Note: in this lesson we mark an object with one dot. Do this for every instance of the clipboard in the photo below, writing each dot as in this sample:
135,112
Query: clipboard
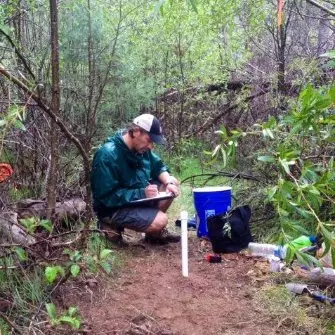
161,196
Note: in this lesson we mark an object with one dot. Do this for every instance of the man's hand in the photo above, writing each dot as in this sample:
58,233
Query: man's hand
173,189
151,191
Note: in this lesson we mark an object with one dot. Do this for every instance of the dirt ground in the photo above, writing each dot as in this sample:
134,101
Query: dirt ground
149,295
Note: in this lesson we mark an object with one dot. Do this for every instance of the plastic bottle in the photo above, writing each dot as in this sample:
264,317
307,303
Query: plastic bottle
263,249
267,250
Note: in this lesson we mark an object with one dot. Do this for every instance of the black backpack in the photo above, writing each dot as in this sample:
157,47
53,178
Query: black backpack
230,232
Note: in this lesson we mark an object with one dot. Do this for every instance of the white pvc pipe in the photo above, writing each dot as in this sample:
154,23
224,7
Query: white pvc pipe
184,247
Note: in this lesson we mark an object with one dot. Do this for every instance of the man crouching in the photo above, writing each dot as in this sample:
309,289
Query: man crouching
125,169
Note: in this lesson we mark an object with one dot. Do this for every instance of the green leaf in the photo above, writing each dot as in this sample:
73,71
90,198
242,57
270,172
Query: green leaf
75,269
271,123
52,312
314,190
283,212
271,192
29,223
73,322
21,253
206,152
303,212
290,252
269,159
72,311
294,204
105,253
323,102
47,225
285,164
216,150
268,133
327,234
224,157
19,125
329,54
51,273
307,259
106,266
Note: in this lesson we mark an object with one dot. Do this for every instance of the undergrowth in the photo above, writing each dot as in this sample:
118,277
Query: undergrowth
294,314
28,287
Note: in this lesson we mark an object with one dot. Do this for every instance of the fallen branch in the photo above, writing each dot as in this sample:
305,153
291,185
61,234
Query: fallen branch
10,228
51,237
71,209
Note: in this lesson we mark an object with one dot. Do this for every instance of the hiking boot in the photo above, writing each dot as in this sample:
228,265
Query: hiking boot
164,237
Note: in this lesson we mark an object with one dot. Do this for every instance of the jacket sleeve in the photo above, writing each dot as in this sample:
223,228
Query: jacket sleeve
106,187
158,166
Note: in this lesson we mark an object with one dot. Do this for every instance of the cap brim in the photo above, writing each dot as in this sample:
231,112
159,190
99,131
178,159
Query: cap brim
158,139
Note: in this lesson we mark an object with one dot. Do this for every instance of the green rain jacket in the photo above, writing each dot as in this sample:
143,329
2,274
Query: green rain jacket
120,175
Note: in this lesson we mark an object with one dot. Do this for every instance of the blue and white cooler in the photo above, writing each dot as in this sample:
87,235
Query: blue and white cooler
208,201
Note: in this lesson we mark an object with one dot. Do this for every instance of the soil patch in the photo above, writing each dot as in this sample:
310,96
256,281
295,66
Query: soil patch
149,295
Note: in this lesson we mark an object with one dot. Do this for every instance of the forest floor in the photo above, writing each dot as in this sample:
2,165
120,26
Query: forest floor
147,294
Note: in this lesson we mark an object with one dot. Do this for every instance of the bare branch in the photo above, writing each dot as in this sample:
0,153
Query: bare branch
209,124
23,60
316,4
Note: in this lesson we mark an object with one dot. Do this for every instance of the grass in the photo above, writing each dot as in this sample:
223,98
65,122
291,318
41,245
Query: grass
294,315
4,329
26,290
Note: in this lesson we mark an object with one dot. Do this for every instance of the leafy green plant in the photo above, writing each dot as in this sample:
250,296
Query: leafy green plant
70,317
32,223
105,259
298,151
53,272
102,260
21,253
226,150
75,257
99,256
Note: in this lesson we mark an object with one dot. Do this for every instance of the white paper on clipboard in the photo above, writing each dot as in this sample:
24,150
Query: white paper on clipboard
160,196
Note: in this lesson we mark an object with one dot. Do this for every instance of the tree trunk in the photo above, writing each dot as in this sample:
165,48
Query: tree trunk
90,117
281,59
55,104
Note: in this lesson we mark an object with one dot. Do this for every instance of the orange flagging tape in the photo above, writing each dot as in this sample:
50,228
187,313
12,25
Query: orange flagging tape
5,171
